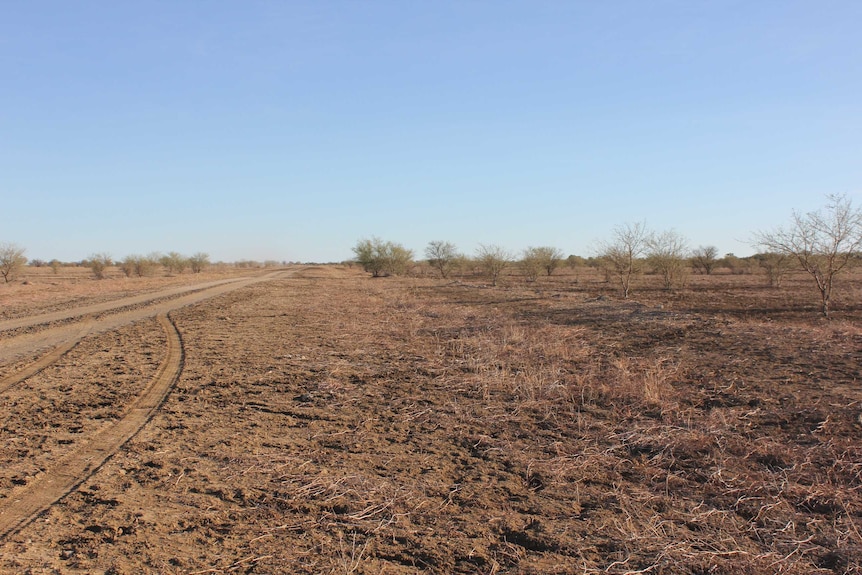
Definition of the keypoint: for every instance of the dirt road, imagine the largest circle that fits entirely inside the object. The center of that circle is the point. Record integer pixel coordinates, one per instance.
(67, 333)
(80, 311)
(76, 465)
(79, 464)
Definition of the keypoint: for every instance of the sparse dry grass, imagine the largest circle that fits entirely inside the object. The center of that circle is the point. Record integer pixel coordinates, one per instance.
(332, 423)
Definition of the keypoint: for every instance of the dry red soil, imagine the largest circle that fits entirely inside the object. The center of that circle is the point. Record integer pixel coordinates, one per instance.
(320, 421)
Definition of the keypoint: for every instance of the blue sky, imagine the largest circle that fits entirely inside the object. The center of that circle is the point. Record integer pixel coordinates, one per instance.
(289, 130)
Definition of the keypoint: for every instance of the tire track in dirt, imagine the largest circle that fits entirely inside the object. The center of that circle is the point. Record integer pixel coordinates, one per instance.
(75, 467)
(34, 320)
(32, 369)
(68, 335)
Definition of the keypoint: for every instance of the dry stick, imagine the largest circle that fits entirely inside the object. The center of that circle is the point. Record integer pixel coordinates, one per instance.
(644, 570)
(850, 519)
(370, 511)
(251, 560)
(286, 527)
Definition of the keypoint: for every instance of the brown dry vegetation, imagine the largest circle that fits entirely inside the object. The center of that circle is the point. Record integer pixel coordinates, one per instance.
(333, 423)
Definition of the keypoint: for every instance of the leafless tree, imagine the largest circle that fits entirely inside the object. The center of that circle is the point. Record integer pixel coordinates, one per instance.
(530, 264)
(398, 259)
(575, 262)
(776, 267)
(492, 260)
(443, 257)
(141, 266)
(737, 266)
(127, 265)
(667, 253)
(12, 259)
(705, 258)
(99, 263)
(199, 262)
(824, 242)
(174, 262)
(621, 256)
(548, 258)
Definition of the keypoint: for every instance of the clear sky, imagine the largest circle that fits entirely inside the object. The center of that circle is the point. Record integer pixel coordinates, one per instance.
(288, 130)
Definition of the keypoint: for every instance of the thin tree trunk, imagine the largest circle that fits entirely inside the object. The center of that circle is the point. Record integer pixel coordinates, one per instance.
(824, 301)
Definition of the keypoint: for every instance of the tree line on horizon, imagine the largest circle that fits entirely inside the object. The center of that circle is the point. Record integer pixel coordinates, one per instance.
(822, 243)
(386, 258)
(13, 259)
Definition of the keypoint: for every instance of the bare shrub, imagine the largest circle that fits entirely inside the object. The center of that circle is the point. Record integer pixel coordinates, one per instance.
(140, 266)
(621, 257)
(539, 260)
(667, 254)
(492, 260)
(99, 263)
(576, 263)
(705, 259)
(12, 260)
(530, 265)
(199, 262)
(382, 258)
(127, 266)
(775, 266)
(146, 266)
(549, 257)
(736, 265)
(443, 257)
(823, 242)
(174, 262)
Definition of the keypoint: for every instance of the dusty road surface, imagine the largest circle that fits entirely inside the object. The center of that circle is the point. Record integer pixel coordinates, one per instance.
(27, 336)
(324, 422)
(97, 308)
(71, 468)
(76, 466)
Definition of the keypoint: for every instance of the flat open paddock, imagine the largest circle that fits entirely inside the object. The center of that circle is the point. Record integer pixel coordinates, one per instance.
(326, 422)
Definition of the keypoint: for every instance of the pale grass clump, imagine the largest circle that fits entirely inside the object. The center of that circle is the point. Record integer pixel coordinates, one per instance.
(506, 358)
(496, 356)
(350, 555)
(646, 379)
(534, 366)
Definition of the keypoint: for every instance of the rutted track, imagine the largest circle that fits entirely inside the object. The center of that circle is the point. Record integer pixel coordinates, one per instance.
(76, 466)
(43, 362)
(67, 335)
(33, 320)
(72, 468)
